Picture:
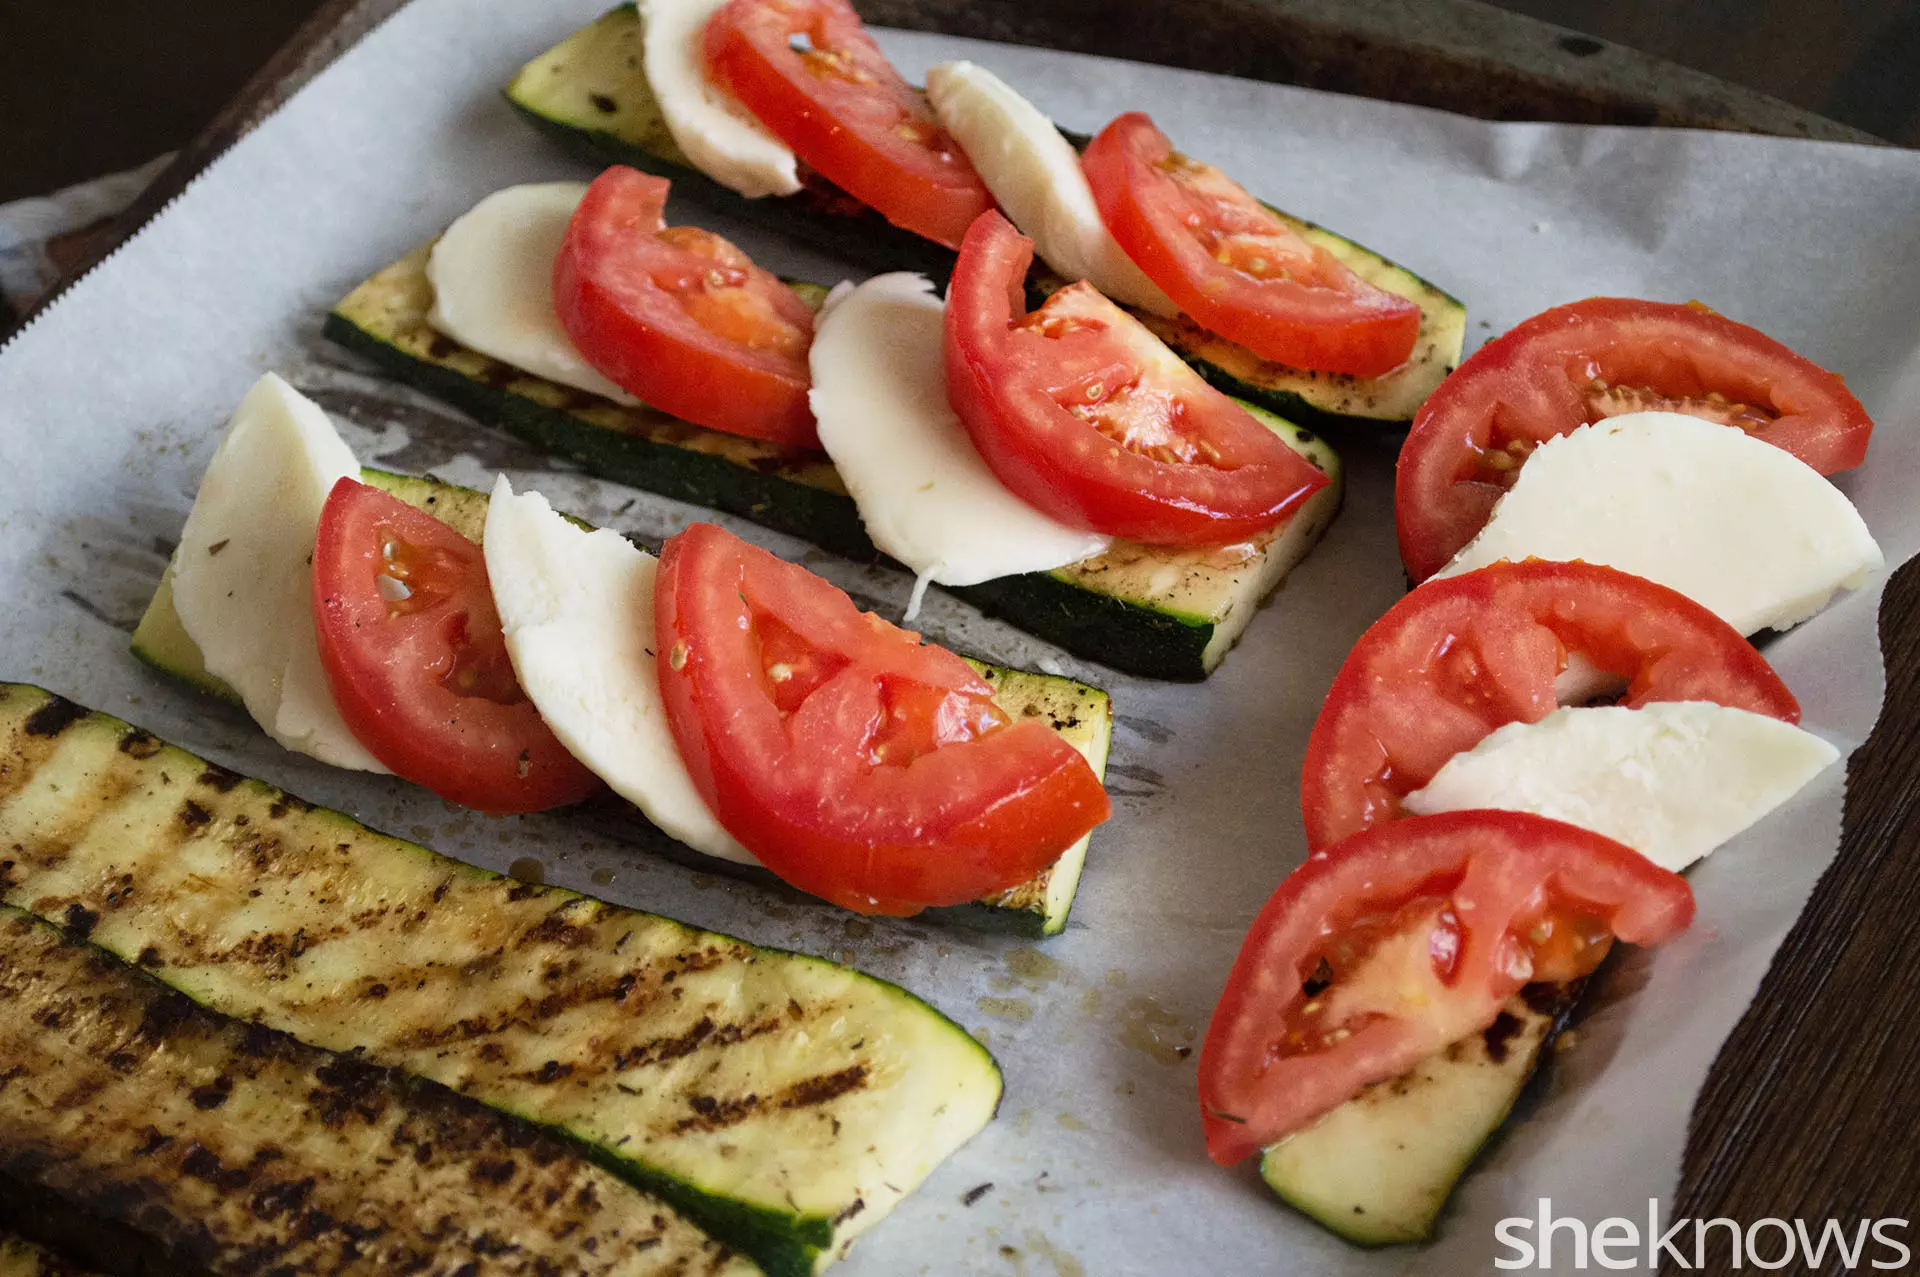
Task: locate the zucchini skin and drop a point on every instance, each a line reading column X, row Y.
column 233, row 1148
column 782, row 1102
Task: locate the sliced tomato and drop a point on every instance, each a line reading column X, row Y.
column 412, row 648
column 854, row 761
column 680, row 317
column 1594, row 359
column 1087, row 416
column 1402, row 941
column 1464, row 655
column 810, row 72
column 1235, row 267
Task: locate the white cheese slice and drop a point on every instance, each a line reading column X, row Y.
column 492, row 276
column 243, row 574
column 926, row 497
column 720, row 136
column 576, row 608
column 1035, row 176
column 1672, row 780
column 1749, row 531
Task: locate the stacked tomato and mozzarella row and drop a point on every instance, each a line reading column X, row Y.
column 746, row 706
column 977, row 440
column 761, row 95
column 1597, row 507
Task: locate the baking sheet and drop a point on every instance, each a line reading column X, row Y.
column 111, row 402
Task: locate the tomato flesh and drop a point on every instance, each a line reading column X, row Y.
column 1403, row 940
column 1088, row 417
column 1594, row 359
column 1234, row 266
column 680, row 317
column 855, row 762
column 412, row 647
column 810, row 72
column 1464, row 655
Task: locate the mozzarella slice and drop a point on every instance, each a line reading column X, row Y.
column 720, row 136
column 880, row 398
column 576, row 608
column 1747, row 530
column 492, row 276
column 1035, row 176
column 1671, row 780
column 243, row 574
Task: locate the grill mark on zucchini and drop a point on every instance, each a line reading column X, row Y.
column 276, row 912
column 323, row 1164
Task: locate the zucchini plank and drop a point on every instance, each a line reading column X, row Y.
column 1081, row 714
column 590, row 92
column 236, row 1149
column 783, row 1103
column 1148, row 610
column 1379, row 1169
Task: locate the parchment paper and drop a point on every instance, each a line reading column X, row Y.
column 110, row 404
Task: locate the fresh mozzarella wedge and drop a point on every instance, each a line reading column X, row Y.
column 1672, row 780
column 243, row 573
column 1035, row 176
column 880, row 398
column 576, row 608
column 1749, row 531
column 720, row 136
column 492, row 276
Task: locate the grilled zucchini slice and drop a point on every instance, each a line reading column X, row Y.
column 590, row 92
column 1378, row 1169
column 1081, row 714
column 781, row 1102
column 1148, row 610
column 234, row 1147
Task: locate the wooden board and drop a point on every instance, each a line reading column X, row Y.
column 1808, row 1108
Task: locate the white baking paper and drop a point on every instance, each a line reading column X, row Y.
column 110, row 405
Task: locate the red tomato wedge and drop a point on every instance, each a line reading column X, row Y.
column 1402, row 941
column 810, row 72
column 1088, row 417
column 1594, row 359
column 854, row 761
column 412, row 648
column 680, row 317
column 1464, row 655
column 1235, row 267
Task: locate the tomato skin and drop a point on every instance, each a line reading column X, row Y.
column 855, row 762
column 1463, row 655
column 1281, row 297
column 1480, row 884
column 1538, row 381
column 1069, row 406
column 844, row 110
column 680, row 317
column 425, row 684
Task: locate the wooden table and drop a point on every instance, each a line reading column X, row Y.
column 1810, row 1110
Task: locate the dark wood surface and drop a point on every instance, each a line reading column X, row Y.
column 1812, row 1107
